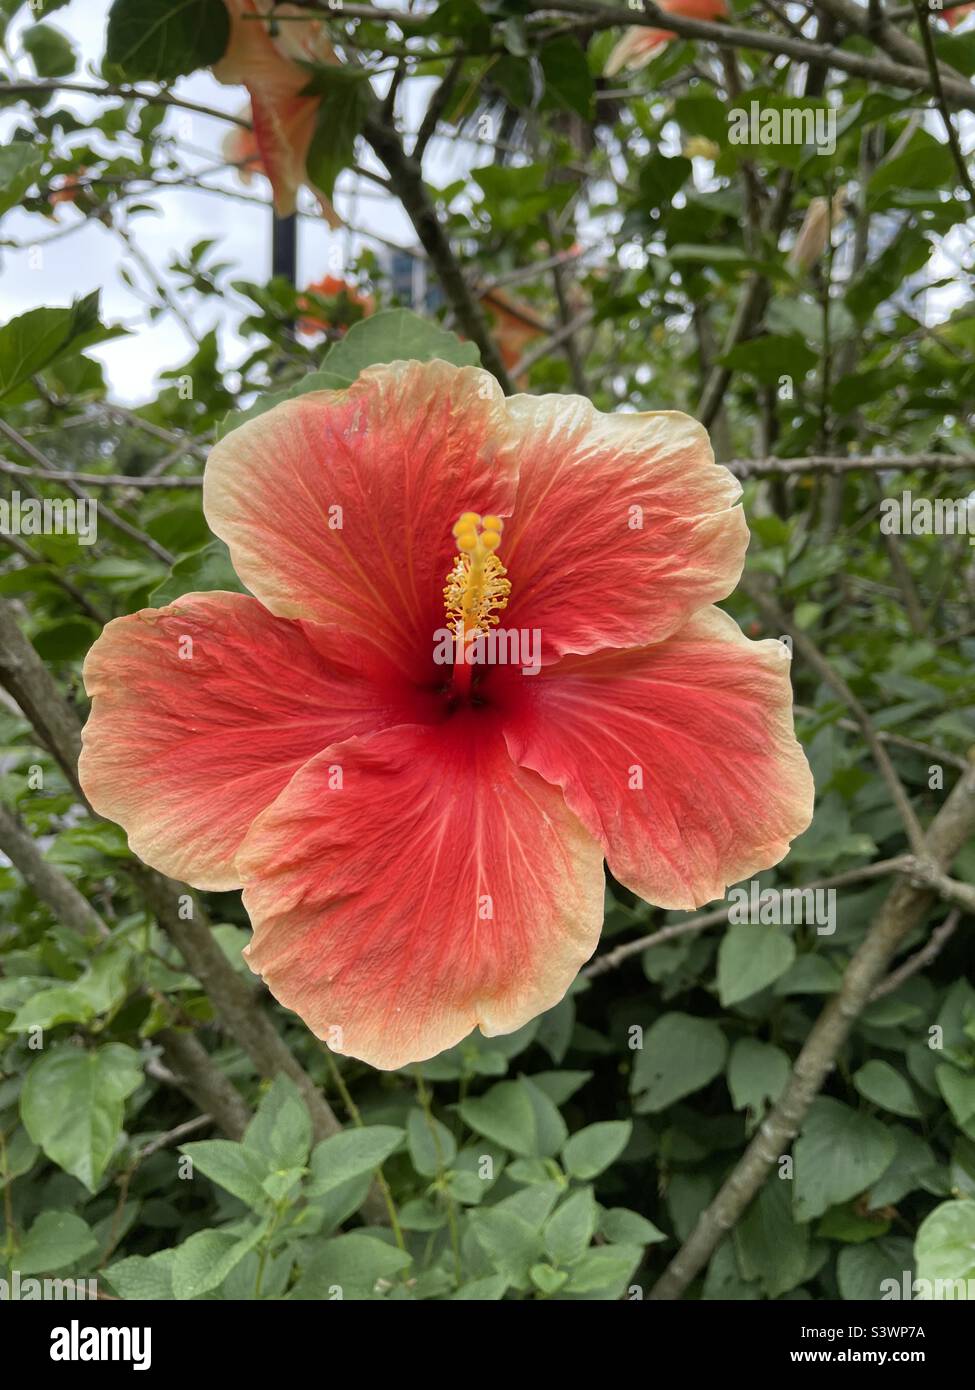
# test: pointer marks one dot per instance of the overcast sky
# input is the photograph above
(92, 257)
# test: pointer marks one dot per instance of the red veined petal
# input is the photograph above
(369, 900)
(680, 757)
(623, 525)
(395, 459)
(184, 751)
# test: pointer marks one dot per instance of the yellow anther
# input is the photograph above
(477, 585)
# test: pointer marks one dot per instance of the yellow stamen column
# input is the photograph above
(476, 586)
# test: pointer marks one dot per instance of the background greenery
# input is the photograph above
(603, 1155)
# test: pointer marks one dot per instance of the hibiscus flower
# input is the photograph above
(421, 843)
(269, 66)
(640, 44)
(350, 305)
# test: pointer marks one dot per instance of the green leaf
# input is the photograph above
(20, 165)
(432, 1146)
(958, 1089)
(145, 1278)
(518, 1116)
(41, 337)
(838, 1155)
(570, 1228)
(769, 357)
(280, 1132)
(203, 1262)
(771, 1247)
(757, 1073)
(350, 1264)
(861, 1270)
(158, 40)
(50, 49)
(604, 1267)
(879, 1083)
(346, 100)
(232, 1166)
(594, 1148)
(199, 572)
(349, 1154)
(944, 1250)
(56, 1239)
(568, 81)
(511, 1243)
(395, 335)
(73, 1104)
(750, 957)
(622, 1227)
(680, 1054)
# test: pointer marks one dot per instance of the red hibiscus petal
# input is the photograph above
(623, 526)
(184, 751)
(338, 506)
(680, 757)
(370, 899)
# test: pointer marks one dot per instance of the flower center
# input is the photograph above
(478, 583)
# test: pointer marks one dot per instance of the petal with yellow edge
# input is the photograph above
(411, 885)
(337, 505)
(623, 525)
(680, 757)
(202, 712)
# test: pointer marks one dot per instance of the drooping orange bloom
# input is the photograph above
(283, 119)
(419, 829)
(640, 44)
(347, 297)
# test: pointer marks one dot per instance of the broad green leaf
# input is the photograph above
(395, 335)
(347, 1155)
(20, 164)
(838, 1155)
(750, 957)
(56, 1240)
(232, 1166)
(346, 99)
(50, 49)
(570, 1228)
(73, 1103)
(771, 1247)
(202, 1263)
(944, 1251)
(280, 1132)
(144, 1278)
(757, 1073)
(41, 337)
(680, 1054)
(591, 1150)
(350, 1265)
(432, 1146)
(159, 40)
(878, 1082)
(518, 1116)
